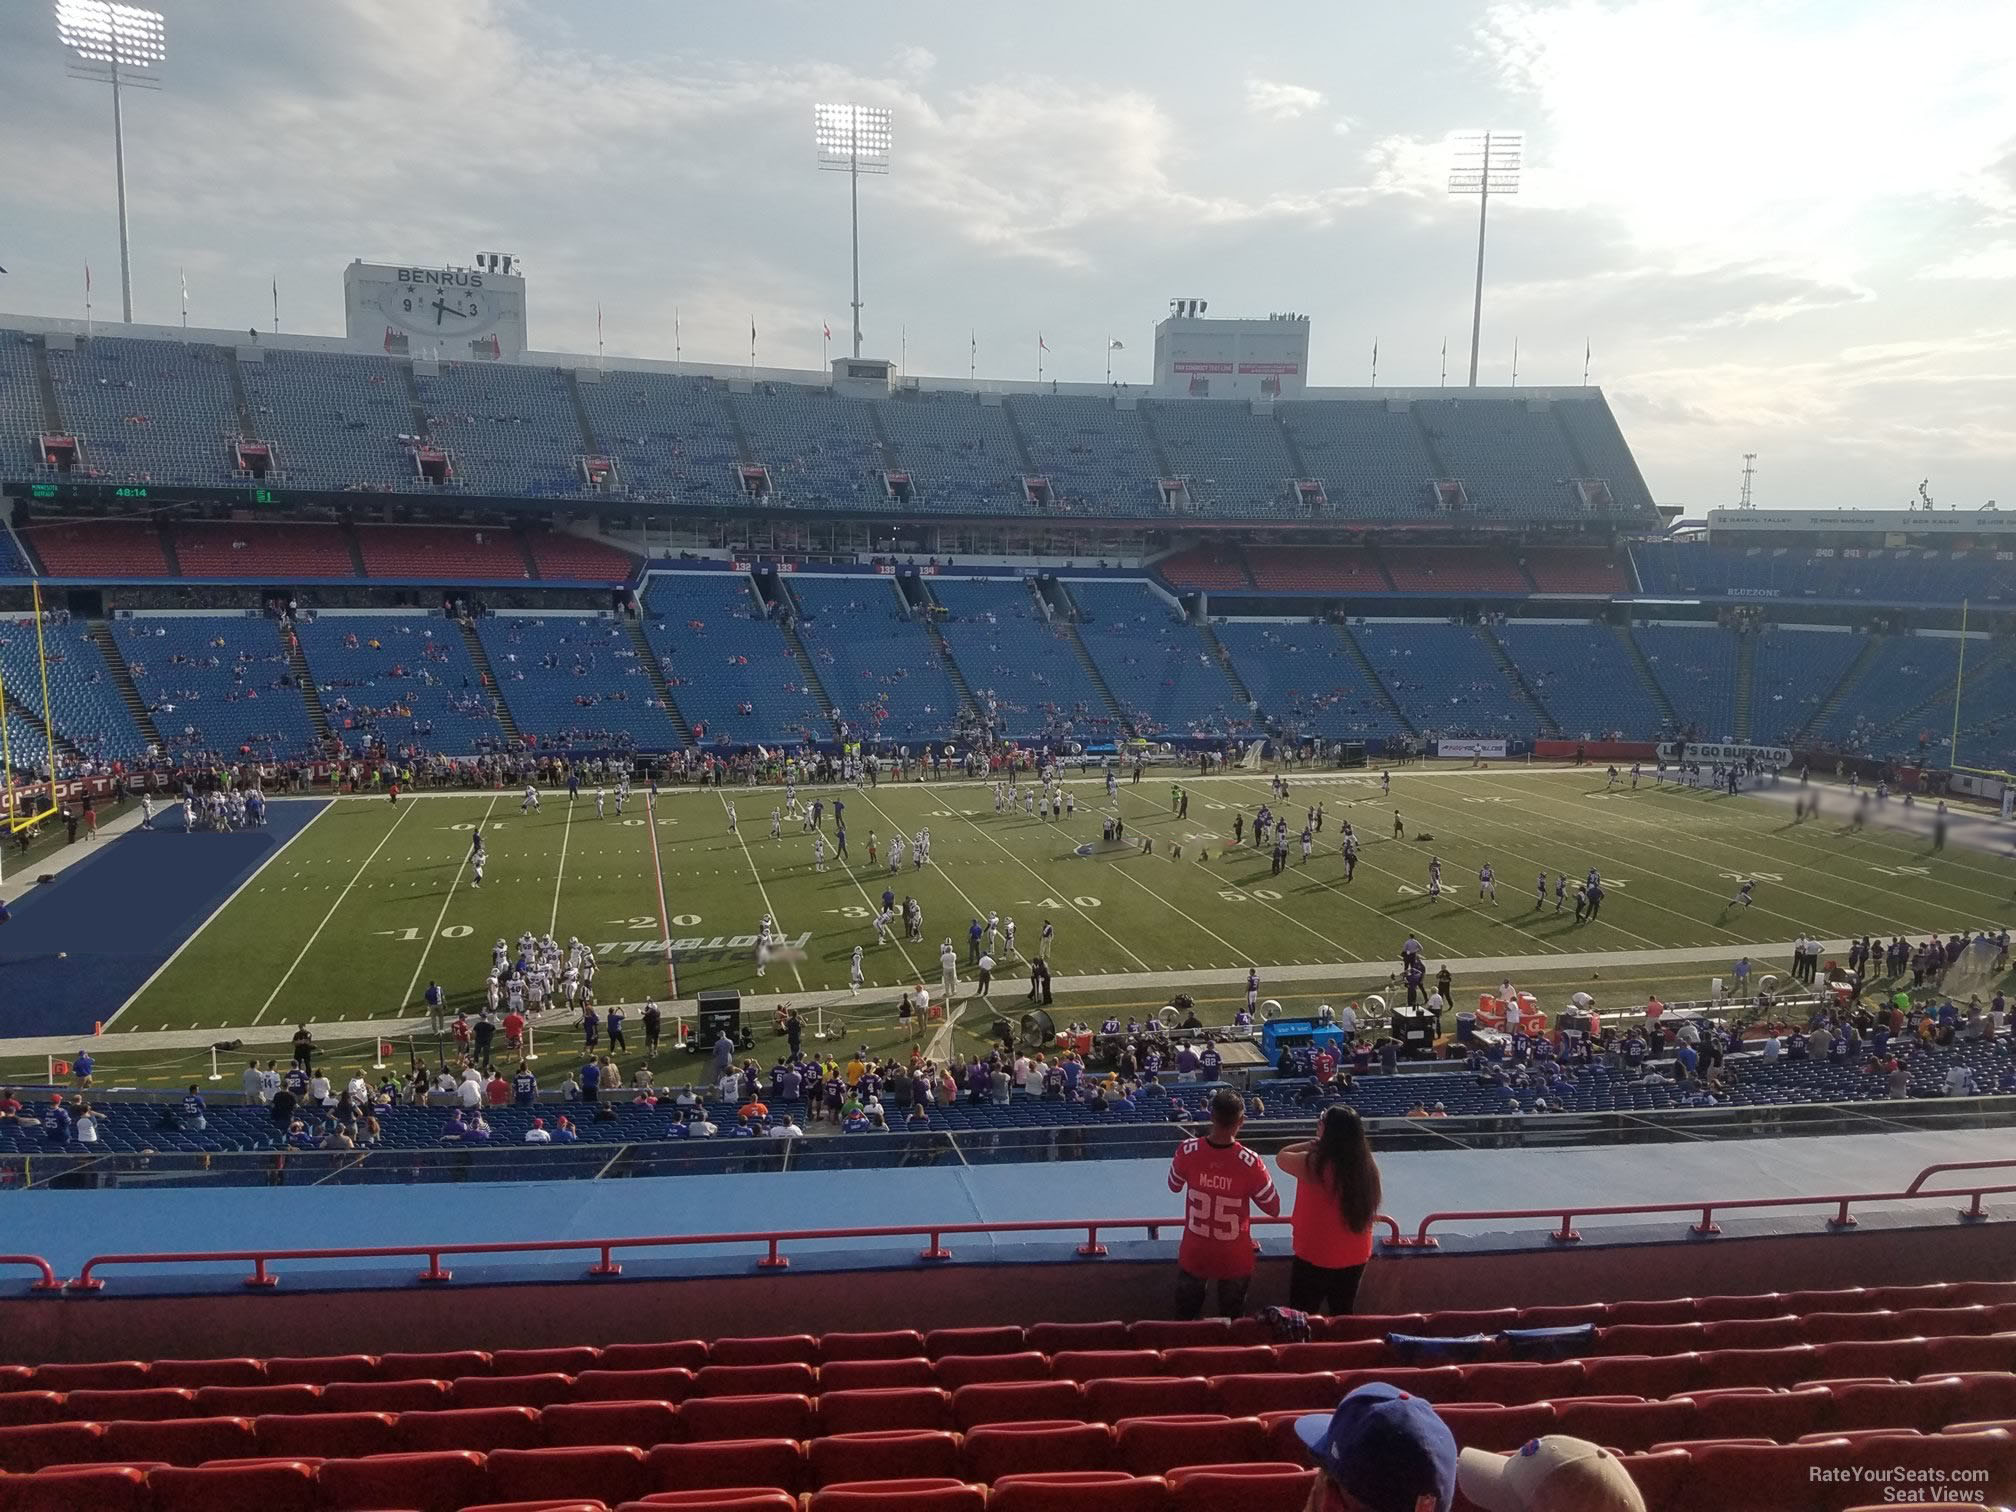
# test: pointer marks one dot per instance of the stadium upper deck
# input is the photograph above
(280, 417)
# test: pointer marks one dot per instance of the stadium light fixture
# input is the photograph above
(852, 139)
(116, 45)
(1485, 163)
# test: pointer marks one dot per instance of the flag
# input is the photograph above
(87, 280)
(752, 330)
(1114, 346)
(185, 284)
(1041, 343)
(828, 328)
(598, 320)
(1375, 351)
(1585, 352)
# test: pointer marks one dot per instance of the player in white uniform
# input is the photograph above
(1048, 938)
(776, 824)
(882, 927)
(1029, 803)
(818, 853)
(600, 798)
(476, 860)
(1540, 891)
(1487, 883)
(531, 800)
(854, 971)
(1434, 876)
(919, 849)
(896, 851)
(1008, 933)
(731, 818)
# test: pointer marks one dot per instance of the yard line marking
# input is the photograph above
(658, 877)
(554, 923)
(142, 988)
(776, 923)
(435, 934)
(1121, 872)
(1046, 882)
(272, 996)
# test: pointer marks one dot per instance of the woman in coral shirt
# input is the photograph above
(1337, 1194)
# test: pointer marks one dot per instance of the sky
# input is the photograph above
(1785, 227)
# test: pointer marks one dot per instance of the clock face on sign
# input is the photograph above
(429, 311)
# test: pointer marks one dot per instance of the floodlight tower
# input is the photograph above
(852, 139)
(1486, 163)
(116, 45)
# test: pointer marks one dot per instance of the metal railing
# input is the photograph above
(770, 1246)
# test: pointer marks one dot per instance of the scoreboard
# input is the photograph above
(444, 314)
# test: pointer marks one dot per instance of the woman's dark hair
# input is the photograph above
(1342, 1162)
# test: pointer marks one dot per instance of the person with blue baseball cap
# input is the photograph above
(1382, 1450)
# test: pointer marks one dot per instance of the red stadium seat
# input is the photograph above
(184, 1441)
(258, 1486)
(1437, 1383)
(139, 1404)
(795, 1376)
(510, 1391)
(239, 1372)
(384, 1396)
(1669, 1310)
(479, 1428)
(33, 1445)
(1016, 1401)
(1821, 1328)
(645, 1424)
(889, 1344)
(686, 1354)
(566, 1360)
(1513, 1382)
(1898, 1359)
(1266, 1487)
(778, 1462)
(1779, 1415)
(884, 1408)
(867, 1375)
(1753, 1333)
(1650, 1338)
(1753, 1305)
(726, 1499)
(1927, 1406)
(1643, 1375)
(1297, 1391)
(327, 1435)
(1117, 1397)
(781, 1349)
(1173, 1333)
(1152, 1446)
(442, 1481)
(255, 1401)
(1365, 1325)
(18, 1407)
(1984, 1394)
(1231, 1359)
(320, 1370)
(608, 1473)
(104, 1375)
(1079, 1491)
(543, 1505)
(1499, 1429)
(1968, 1352)
(1564, 1315)
(1103, 1364)
(96, 1489)
(1659, 1477)
(883, 1456)
(1628, 1426)
(997, 1449)
(1056, 1338)
(955, 1371)
(445, 1366)
(940, 1342)
(917, 1494)
(1837, 1299)
(772, 1415)
(672, 1383)
(1739, 1477)
(1330, 1354)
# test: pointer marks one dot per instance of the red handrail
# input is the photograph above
(1707, 1227)
(606, 1264)
(48, 1281)
(773, 1258)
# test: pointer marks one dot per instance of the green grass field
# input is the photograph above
(372, 900)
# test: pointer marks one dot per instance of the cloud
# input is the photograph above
(1991, 263)
(1272, 100)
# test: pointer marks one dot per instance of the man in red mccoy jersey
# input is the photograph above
(1221, 1181)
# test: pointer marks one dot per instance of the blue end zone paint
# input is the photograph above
(120, 914)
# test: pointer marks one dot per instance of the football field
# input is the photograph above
(352, 919)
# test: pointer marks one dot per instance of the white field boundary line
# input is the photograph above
(454, 882)
(657, 879)
(257, 873)
(776, 923)
(273, 996)
(1333, 974)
